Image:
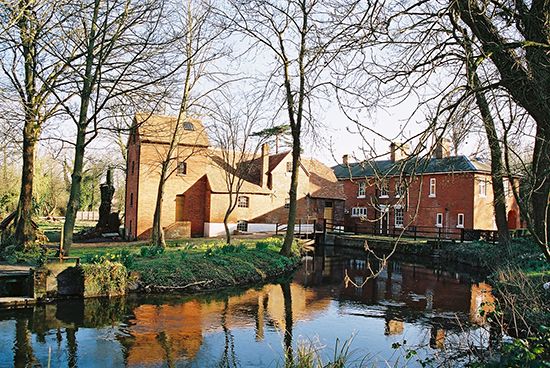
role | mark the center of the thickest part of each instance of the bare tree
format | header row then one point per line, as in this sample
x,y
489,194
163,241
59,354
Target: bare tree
x,y
30,72
304,37
236,148
200,50
123,60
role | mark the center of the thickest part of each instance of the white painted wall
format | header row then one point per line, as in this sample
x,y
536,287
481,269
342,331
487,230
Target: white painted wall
x,y
213,229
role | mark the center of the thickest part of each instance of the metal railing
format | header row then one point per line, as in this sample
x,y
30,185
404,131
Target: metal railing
x,y
414,232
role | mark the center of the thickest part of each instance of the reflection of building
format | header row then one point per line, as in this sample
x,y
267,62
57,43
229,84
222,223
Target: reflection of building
x,y
394,327
196,194
177,331
443,193
482,300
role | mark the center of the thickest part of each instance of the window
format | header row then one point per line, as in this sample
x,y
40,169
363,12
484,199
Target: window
x,y
460,220
400,190
129,230
439,220
131,199
507,189
398,214
289,166
358,211
242,225
133,167
242,202
384,192
482,188
361,190
287,202
432,187
188,126
182,168
328,204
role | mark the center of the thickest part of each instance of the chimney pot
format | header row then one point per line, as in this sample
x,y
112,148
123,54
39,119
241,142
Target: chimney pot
x,y
345,160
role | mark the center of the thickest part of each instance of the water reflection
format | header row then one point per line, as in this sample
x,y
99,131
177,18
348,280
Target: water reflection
x,y
255,327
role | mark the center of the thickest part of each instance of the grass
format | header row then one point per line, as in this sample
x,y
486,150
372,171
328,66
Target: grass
x,y
204,263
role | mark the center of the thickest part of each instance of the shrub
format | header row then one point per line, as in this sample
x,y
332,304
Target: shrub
x,y
151,251
104,278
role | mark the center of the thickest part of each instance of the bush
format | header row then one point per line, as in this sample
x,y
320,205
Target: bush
x,y
104,278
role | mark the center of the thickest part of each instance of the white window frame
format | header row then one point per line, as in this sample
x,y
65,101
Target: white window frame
x,y
242,225
243,201
398,224
289,166
384,190
362,189
287,203
459,223
482,188
400,190
433,187
359,211
439,219
181,169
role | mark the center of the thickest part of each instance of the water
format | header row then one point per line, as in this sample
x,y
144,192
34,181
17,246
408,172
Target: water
x,y
434,311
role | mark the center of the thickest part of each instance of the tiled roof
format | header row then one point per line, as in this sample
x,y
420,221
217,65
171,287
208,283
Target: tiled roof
x,y
160,129
453,164
322,181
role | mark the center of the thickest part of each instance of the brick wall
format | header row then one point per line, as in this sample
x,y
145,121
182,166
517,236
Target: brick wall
x,y
455,193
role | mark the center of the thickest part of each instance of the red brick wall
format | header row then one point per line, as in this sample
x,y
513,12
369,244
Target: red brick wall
x,y
195,205
455,193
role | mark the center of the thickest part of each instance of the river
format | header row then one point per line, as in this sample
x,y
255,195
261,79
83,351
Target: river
x,y
409,313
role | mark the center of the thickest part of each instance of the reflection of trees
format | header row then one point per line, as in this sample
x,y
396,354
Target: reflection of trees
x,y
72,346
165,343
287,296
23,353
228,357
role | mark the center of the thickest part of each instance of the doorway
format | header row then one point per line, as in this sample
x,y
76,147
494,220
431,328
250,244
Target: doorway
x,y
180,200
328,213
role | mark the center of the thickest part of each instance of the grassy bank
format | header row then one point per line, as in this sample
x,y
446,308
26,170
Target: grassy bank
x,y
193,266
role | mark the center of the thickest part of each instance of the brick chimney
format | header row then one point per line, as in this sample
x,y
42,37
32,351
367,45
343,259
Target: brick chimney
x,y
345,160
264,165
399,151
442,148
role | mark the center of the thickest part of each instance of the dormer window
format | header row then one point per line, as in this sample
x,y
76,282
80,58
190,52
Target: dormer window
x,y
188,126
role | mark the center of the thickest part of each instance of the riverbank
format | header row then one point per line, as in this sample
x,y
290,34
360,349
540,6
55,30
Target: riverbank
x,y
191,267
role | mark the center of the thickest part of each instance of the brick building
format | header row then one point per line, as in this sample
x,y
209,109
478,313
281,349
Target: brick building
x,y
443,193
196,194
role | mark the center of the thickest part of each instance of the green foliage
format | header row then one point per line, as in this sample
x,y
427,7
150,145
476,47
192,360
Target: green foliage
x,y
220,266
34,256
104,278
151,251
123,256
532,351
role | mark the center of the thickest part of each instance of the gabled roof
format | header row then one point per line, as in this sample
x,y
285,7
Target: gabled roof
x,y
322,181
411,166
161,128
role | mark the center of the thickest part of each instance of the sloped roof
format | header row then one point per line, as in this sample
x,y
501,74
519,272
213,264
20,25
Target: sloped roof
x,y
411,166
161,128
322,181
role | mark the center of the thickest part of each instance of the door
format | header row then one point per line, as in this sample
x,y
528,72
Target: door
x,y
327,215
180,200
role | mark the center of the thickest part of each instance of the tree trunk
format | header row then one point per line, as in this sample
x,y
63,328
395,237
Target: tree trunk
x,y
74,197
286,249
226,227
499,196
157,236
289,322
25,234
